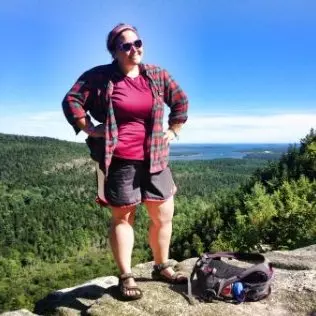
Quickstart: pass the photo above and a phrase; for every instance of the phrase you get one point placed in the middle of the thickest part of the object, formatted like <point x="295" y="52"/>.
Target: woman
<point x="131" y="147"/>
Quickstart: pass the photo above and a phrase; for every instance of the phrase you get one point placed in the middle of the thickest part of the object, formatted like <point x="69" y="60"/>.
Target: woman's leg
<point x="122" y="240"/>
<point x="160" y="230"/>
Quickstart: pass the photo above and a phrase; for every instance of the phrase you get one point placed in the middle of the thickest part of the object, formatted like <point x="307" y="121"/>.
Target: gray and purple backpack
<point x="217" y="279"/>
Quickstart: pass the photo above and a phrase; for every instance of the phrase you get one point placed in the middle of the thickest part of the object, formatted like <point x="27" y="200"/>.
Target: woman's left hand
<point x="169" y="136"/>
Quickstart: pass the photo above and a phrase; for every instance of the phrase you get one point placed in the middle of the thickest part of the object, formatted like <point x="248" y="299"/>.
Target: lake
<point x="217" y="151"/>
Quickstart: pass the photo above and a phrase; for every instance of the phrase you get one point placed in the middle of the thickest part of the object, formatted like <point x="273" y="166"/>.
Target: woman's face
<point x="129" y="49"/>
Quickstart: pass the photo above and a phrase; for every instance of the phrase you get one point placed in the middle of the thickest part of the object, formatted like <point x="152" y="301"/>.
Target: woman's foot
<point x="165" y="272"/>
<point x="128" y="289"/>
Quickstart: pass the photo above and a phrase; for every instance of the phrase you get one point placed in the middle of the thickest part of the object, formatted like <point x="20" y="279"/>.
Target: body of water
<point x="217" y="151"/>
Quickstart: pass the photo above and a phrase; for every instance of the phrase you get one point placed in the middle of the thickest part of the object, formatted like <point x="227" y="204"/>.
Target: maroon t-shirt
<point x="132" y="102"/>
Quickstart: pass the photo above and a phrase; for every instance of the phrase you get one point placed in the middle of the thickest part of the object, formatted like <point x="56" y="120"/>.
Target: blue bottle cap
<point x="238" y="291"/>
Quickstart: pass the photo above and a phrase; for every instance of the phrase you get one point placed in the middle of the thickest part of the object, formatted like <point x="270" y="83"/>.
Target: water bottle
<point x="238" y="292"/>
<point x="234" y="291"/>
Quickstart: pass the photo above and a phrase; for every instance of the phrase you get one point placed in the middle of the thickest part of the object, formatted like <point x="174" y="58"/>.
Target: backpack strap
<point x="197" y="265"/>
<point x="202" y="259"/>
<point x="256" y="257"/>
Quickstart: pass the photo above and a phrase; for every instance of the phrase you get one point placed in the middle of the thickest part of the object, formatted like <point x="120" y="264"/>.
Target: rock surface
<point x="21" y="312"/>
<point x="293" y="293"/>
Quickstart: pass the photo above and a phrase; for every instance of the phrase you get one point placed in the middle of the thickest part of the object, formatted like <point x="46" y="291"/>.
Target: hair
<point x="115" y="33"/>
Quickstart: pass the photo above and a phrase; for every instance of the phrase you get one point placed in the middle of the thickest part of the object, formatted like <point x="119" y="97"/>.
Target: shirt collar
<point x="118" y="73"/>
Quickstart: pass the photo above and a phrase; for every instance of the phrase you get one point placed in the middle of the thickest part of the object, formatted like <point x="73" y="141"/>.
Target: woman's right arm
<point x="76" y="104"/>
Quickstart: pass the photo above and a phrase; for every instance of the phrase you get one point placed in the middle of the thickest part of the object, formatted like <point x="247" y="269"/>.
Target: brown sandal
<point x="175" y="278"/>
<point x="138" y="293"/>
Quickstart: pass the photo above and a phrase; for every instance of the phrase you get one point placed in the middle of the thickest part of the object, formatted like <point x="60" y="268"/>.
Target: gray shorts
<point x="129" y="183"/>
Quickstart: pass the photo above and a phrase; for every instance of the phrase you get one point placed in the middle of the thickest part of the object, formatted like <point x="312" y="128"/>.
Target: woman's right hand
<point x="87" y="126"/>
<point x="99" y="131"/>
<point x="95" y="131"/>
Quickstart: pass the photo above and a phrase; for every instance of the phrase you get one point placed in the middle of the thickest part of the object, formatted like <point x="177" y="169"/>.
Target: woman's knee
<point x="160" y="213"/>
<point x="123" y="215"/>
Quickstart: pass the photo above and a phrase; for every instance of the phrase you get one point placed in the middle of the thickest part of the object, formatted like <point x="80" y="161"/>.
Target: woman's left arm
<point x="177" y="100"/>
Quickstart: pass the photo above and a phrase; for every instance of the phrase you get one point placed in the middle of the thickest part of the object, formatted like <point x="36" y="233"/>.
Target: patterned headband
<point x="117" y="31"/>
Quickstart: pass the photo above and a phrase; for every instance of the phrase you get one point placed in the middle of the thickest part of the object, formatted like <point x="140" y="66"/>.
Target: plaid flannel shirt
<point x="92" y="93"/>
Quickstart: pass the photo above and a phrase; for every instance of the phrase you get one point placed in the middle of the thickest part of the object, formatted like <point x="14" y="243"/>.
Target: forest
<point x="53" y="235"/>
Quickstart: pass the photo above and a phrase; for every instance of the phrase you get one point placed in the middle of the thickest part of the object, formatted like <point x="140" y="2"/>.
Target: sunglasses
<point x="126" y="47"/>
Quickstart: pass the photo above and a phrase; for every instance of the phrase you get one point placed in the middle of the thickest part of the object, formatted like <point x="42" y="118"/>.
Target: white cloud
<point x="280" y="128"/>
<point x="50" y="124"/>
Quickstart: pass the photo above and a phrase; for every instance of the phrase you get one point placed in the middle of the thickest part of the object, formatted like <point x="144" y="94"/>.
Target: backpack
<point x="217" y="279"/>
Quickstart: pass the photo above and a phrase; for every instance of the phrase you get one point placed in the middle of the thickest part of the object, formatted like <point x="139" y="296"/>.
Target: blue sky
<point x="248" y="67"/>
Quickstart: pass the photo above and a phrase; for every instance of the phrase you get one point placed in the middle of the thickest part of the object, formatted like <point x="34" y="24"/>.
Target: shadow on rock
<point x="73" y="299"/>
<point x="79" y="299"/>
